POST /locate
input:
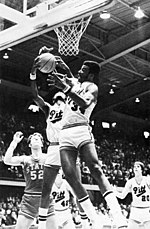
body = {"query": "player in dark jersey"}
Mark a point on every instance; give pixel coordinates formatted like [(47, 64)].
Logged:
[(32, 166)]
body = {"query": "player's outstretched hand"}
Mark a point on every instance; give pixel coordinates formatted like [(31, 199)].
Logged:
[(45, 49), (60, 63), (18, 136), (36, 65), (59, 79)]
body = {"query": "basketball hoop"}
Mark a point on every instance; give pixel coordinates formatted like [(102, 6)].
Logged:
[(69, 36)]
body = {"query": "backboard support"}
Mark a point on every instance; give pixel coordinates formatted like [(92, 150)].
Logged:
[(37, 22)]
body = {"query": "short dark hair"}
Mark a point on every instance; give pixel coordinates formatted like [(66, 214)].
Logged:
[(94, 68)]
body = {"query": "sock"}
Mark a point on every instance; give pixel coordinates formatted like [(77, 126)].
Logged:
[(84, 221), (88, 208), (113, 204), (42, 218)]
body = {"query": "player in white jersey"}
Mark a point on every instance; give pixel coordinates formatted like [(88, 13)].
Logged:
[(61, 192), (32, 166), (139, 187), (82, 98), (53, 115)]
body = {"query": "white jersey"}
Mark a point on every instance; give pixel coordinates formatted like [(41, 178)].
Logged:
[(73, 114), (61, 196), (54, 122), (140, 192)]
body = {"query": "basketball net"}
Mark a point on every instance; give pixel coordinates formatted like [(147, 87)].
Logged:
[(69, 36)]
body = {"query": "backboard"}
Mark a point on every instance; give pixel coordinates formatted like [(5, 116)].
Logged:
[(44, 17)]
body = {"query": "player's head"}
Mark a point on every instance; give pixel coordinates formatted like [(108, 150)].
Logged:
[(89, 72), (59, 96), (35, 140), (138, 167)]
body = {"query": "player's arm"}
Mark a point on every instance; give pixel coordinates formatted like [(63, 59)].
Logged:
[(89, 96), (64, 66), (125, 191), (82, 101), (9, 159), (36, 97)]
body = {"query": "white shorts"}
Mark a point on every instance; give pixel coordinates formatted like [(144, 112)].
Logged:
[(53, 158), (140, 214), (76, 136)]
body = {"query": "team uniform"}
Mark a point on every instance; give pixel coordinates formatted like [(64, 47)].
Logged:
[(76, 120), (54, 125), (33, 174), (61, 197), (140, 207)]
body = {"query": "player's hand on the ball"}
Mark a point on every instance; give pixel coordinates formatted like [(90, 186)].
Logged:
[(37, 62), (36, 65), (60, 63), (51, 80), (60, 80), (18, 136), (71, 81), (44, 49)]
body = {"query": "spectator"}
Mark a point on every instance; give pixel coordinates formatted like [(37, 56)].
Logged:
[(2, 219)]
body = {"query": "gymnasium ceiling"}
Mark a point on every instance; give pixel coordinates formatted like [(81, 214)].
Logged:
[(120, 44)]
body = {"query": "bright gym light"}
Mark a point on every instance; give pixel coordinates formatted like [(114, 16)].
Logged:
[(104, 15), (139, 13), (105, 125), (146, 134)]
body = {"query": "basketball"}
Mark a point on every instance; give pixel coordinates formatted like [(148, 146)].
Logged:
[(47, 62)]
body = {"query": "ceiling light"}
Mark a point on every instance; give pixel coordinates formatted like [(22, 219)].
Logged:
[(105, 125), (113, 85), (139, 13), (137, 100), (111, 91), (113, 124), (104, 15), (146, 134), (5, 56)]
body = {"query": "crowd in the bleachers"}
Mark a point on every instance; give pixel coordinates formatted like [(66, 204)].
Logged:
[(116, 154)]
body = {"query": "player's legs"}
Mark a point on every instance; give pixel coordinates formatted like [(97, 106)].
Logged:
[(89, 154), (49, 177), (68, 162), (51, 168), (84, 218), (23, 222), (88, 151)]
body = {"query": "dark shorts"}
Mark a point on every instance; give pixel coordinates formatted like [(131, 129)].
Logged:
[(30, 206)]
